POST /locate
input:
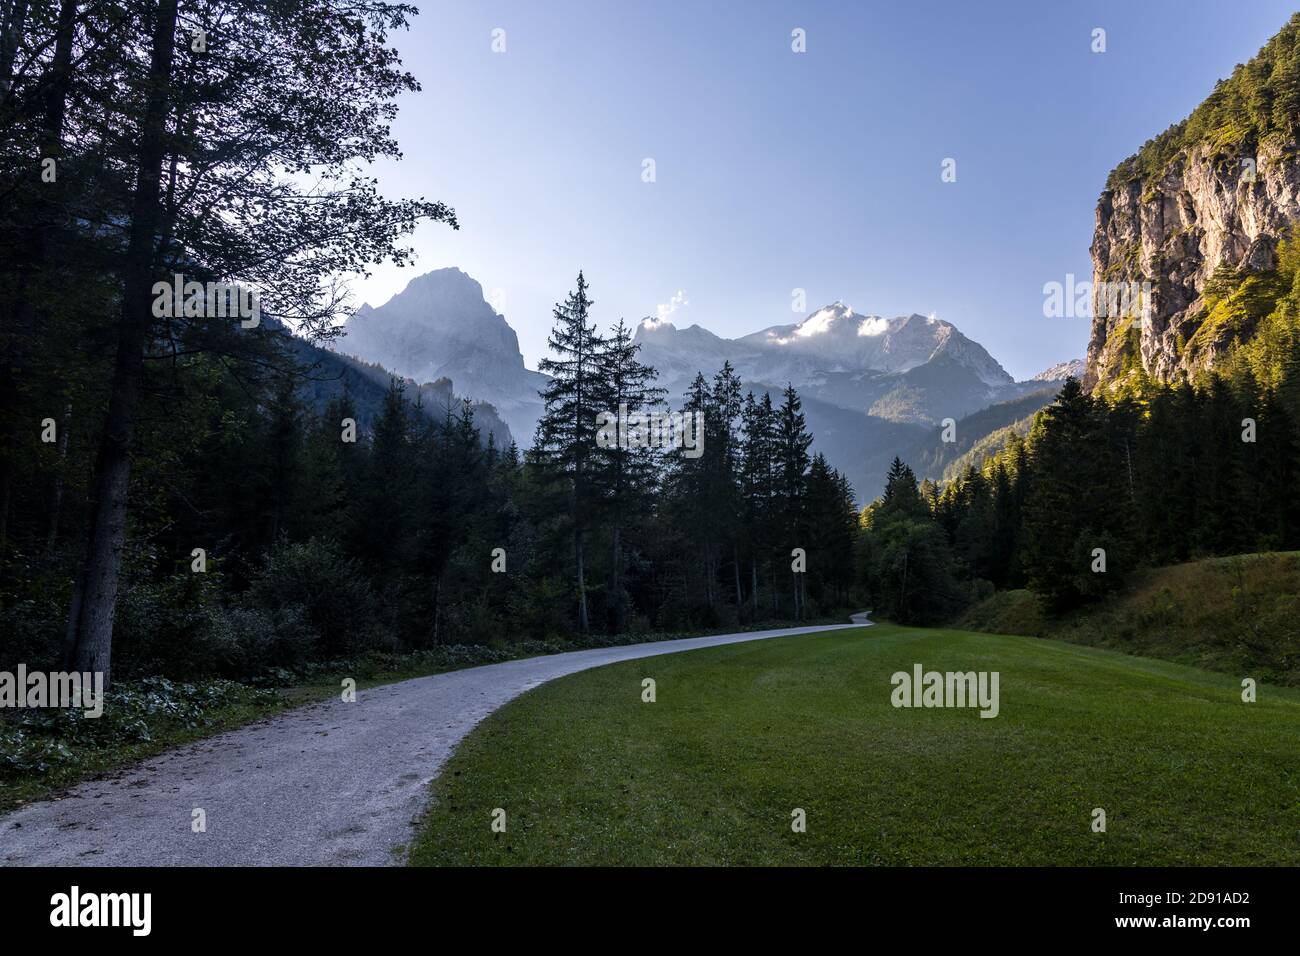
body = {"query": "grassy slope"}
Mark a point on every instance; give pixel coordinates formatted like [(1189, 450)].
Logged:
[(741, 735), (1238, 615)]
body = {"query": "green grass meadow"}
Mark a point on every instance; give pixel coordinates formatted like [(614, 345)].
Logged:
[(741, 735)]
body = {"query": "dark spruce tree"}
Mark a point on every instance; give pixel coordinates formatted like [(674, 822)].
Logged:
[(792, 461), (624, 472), (565, 442)]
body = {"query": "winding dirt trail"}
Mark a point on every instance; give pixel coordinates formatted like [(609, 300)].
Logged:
[(329, 784)]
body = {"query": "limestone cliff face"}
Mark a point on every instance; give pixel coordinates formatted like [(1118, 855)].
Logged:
[(441, 327), (1204, 210)]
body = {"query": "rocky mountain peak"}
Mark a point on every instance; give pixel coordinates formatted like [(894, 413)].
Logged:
[(1059, 372), (440, 326)]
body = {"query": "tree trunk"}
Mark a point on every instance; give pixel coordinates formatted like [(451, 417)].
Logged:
[(713, 580), (776, 597), (437, 606), (14, 26), (56, 492), (753, 581), (94, 603), (60, 77), (902, 598), (582, 581), (6, 486), (618, 578), (735, 564)]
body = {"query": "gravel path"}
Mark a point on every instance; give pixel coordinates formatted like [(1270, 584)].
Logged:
[(328, 784)]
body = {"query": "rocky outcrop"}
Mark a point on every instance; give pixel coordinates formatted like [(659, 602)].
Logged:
[(1217, 191), (1206, 210), (329, 375), (441, 327)]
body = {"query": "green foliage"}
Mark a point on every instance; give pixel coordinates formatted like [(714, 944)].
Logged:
[(905, 562), (912, 579), (1221, 283), (1144, 476), (1079, 505), (1262, 326), (45, 739), (1237, 305), (1260, 99)]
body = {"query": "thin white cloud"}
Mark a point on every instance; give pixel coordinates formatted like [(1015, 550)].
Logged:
[(665, 310)]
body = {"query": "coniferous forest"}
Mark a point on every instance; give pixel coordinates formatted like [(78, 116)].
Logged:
[(188, 496)]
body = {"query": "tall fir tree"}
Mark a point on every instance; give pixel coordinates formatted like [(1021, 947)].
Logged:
[(565, 441), (625, 469), (758, 482), (792, 461)]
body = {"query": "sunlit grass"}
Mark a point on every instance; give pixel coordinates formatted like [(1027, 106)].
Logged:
[(741, 735)]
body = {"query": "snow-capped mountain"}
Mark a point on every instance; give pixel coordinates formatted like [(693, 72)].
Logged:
[(837, 339), (440, 326), (1061, 371), (906, 369)]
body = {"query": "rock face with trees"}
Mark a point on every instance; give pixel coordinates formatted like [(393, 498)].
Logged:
[(1180, 441), (1198, 213)]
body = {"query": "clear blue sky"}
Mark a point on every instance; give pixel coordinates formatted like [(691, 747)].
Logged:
[(778, 170)]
